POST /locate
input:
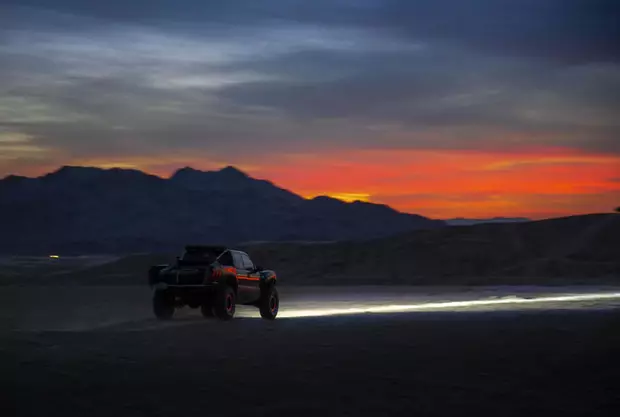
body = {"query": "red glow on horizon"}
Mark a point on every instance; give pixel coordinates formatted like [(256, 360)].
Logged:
[(534, 183), (445, 184)]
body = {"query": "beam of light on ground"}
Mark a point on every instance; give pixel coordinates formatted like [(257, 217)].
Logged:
[(447, 305)]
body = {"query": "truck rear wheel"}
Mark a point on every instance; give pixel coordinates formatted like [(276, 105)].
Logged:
[(269, 303), (225, 303), (163, 305)]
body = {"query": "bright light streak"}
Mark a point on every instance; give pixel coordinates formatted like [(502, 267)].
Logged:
[(54, 256), (447, 305)]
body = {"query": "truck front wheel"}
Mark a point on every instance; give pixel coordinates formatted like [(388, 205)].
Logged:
[(225, 303), (163, 305), (269, 303)]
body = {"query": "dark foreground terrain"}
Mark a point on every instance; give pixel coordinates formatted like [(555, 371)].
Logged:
[(536, 362)]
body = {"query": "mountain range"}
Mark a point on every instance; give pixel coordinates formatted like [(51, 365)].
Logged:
[(86, 210)]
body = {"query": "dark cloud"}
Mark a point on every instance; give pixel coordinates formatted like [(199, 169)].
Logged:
[(428, 88), (571, 31), (149, 77)]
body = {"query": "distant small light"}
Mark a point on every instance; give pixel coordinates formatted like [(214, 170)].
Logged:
[(54, 256)]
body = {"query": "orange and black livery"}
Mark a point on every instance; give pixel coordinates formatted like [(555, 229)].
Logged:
[(216, 279)]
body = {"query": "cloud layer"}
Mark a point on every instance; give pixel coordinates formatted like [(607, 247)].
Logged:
[(159, 84)]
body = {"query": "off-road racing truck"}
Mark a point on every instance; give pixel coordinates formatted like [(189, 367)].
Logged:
[(215, 279)]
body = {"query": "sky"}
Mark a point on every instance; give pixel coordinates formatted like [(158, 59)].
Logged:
[(446, 108)]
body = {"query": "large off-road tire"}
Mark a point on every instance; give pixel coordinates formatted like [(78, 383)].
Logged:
[(206, 308), (163, 304), (224, 303), (269, 303)]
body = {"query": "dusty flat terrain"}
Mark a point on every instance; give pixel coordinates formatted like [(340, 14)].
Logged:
[(86, 308), (554, 359)]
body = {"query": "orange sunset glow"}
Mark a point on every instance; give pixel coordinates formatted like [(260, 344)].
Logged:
[(437, 183), (445, 184)]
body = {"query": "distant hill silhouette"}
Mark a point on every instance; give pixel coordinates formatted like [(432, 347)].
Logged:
[(87, 210), (575, 249), (460, 221), (561, 251)]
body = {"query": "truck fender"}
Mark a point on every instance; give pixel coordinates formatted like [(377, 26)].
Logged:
[(228, 279)]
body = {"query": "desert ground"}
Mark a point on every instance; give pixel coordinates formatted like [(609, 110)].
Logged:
[(573, 250), (96, 351)]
